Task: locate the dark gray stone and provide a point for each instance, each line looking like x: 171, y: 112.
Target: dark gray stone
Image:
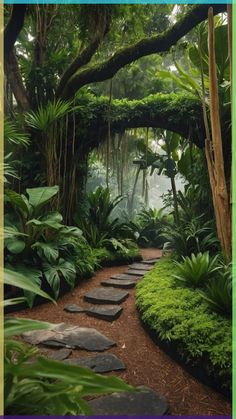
x: 98, y: 363
x: 61, y: 354
x: 124, y: 276
x: 135, y: 272
x: 105, y: 296
x: 140, y: 267
x: 151, y: 261
x: 122, y: 283
x: 67, y: 336
x: 142, y: 403
x: 73, y: 308
x: 108, y: 313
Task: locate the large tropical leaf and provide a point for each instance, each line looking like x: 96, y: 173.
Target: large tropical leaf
x: 13, y: 326
x: 40, y: 196
x: 54, y: 273
x: 48, y: 250
x: 51, y: 220
x: 18, y: 201
x: 23, y: 281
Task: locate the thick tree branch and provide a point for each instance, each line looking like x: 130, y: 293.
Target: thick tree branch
x: 156, y: 44
x: 80, y: 61
x: 14, y: 27
x: 15, y: 80
x: 101, y: 29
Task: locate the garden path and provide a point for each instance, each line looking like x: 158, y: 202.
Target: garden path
x: 146, y: 364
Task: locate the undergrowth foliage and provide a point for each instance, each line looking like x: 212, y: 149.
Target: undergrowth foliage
x: 182, y: 318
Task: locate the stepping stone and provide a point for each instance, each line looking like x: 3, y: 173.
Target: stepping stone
x: 108, y: 313
x: 73, y: 308
x: 143, y: 403
x: 99, y: 363
x: 135, y: 272
x: 68, y: 336
x: 125, y: 276
x: 105, y: 296
x: 61, y: 354
x: 140, y: 266
x: 151, y: 261
x: 122, y: 283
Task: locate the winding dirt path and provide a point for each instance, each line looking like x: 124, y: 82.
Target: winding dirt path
x: 146, y: 364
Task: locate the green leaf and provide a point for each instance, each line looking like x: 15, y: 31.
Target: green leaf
x: 13, y: 326
x: 15, y: 245
x: 18, y: 201
x: 23, y: 281
x: 53, y: 274
x: 48, y: 250
x: 40, y: 196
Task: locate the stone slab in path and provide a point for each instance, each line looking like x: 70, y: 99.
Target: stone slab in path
x: 69, y: 336
x: 143, y: 403
x: 151, y: 261
x: 109, y: 313
x: 73, y: 308
x: 61, y: 354
x: 125, y: 276
x: 99, y: 363
x: 122, y: 283
x: 140, y: 266
x: 135, y: 272
x: 105, y: 296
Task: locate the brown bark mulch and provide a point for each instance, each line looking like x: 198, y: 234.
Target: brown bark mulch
x: 146, y: 364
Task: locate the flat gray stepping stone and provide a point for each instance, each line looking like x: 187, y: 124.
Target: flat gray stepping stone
x: 143, y: 403
x: 68, y: 336
x: 125, y: 276
x: 135, y: 272
x: 140, y: 266
x: 61, y: 354
x: 105, y: 296
x: 151, y: 261
x: 73, y: 308
x: 98, y: 363
x: 108, y: 313
x: 122, y: 283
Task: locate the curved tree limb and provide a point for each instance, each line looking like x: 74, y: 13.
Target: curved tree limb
x: 14, y: 27
x: 155, y: 44
x: 178, y: 113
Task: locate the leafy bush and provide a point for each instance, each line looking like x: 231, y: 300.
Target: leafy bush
x: 196, y: 271
x: 34, y: 385
x: 181, y: 317
x: 97, y: 222
x: 218, y: 293
x: 40, y: 245
x: 149, y: 224
x: 193, y: 236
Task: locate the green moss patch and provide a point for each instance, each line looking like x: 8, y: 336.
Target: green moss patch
x: 181, y: 318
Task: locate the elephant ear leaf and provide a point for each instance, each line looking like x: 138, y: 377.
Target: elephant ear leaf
x: 40, y: 196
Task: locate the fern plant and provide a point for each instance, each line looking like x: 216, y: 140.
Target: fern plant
x: 196, y: 271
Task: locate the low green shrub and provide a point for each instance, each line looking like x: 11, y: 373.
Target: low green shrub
x: 196, y: 271
x: 107, y: 257
x: 182, y: 318
x: 218, y: 293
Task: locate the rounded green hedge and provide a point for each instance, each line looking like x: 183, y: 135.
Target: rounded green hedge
x: 179, y: 317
